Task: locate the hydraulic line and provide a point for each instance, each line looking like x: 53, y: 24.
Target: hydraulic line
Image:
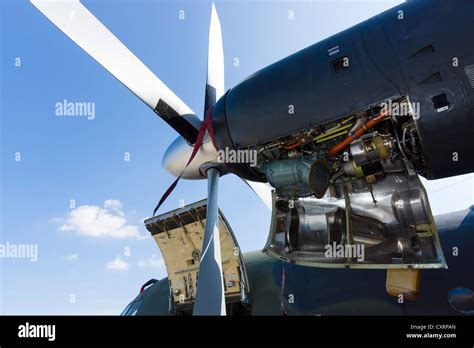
x: 340, y: 129
x: 331, y: 136
x: 332, y: 131
x: 358, y: 133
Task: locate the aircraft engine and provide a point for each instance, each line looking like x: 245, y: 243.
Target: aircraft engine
x: 347, y: 193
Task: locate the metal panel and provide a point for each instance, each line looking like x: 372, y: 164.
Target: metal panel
x: 179, y: 235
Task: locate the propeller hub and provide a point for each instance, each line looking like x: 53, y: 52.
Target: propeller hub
x: 178, y: 153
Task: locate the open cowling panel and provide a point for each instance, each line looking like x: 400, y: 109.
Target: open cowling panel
x: 179, y: 235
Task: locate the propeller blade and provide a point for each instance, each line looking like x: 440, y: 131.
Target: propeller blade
x: 80, y: 25
x: 210, y: 297
x: 215, y: 63
x: 263, y: 191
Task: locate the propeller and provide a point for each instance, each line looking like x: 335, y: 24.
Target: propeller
x: 215, y: 63
x: 75, y: 20
x: 210, y: 296
x: 80, y: 25
x: 263, y: 191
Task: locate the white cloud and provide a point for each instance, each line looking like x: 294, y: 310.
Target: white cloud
x: 72, y: 257
x: 152, y: 262
x: 95, y: 221
x: 117, y: 265
x: 114, y: 205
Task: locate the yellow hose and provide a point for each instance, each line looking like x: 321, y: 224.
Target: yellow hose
x: 331, y: 134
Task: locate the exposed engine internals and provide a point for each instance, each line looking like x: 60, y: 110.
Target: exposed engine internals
x: 333, y: 200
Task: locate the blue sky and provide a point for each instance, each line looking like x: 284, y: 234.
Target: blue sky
x: 64, y: 159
